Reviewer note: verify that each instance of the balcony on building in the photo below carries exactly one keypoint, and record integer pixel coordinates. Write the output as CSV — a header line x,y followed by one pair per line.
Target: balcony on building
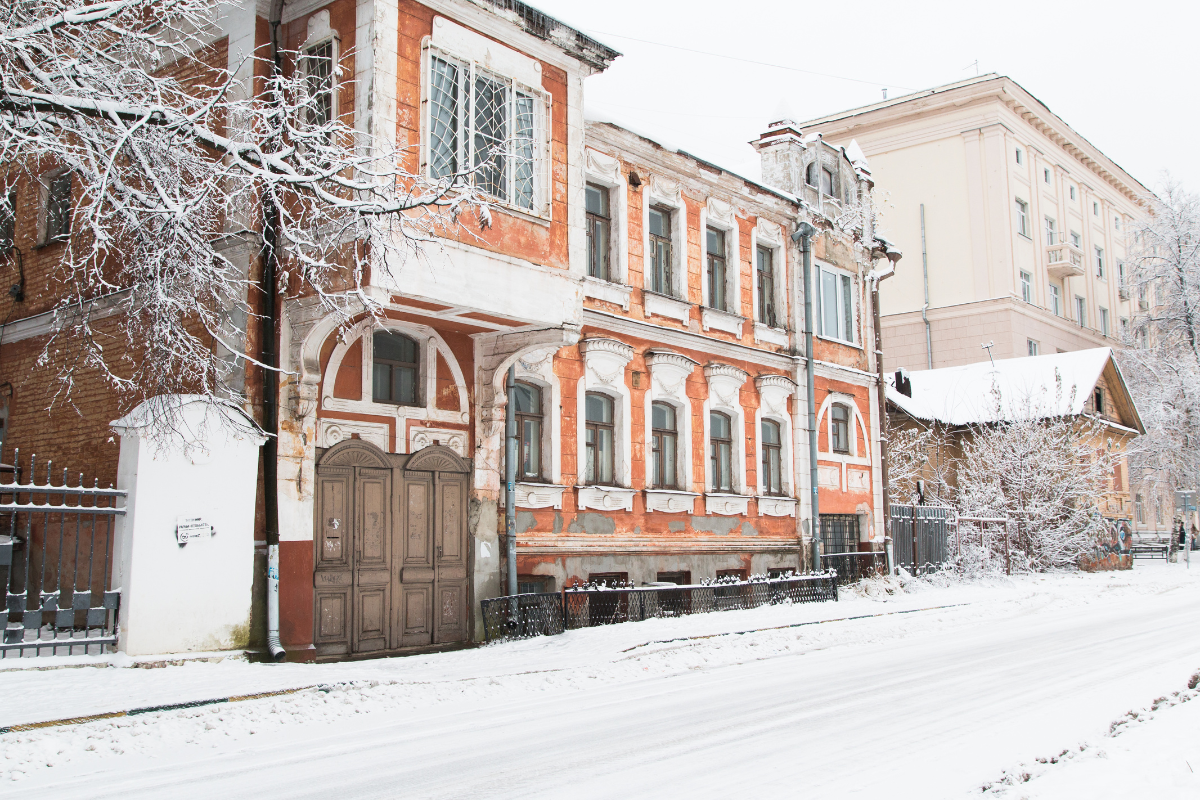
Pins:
x,y
1064,260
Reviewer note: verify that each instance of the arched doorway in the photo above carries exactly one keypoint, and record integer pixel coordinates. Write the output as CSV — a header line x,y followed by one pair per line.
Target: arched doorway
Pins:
x,y
391,550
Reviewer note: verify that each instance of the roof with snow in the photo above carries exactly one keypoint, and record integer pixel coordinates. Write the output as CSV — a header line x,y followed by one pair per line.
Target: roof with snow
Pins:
x,y
1046,386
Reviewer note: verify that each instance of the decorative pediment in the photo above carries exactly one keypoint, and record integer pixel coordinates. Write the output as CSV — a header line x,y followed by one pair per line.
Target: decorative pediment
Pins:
x,y
720,212
605,360
603,164
669,373
768,232
774,391
354,453
437,458
665,190
724,384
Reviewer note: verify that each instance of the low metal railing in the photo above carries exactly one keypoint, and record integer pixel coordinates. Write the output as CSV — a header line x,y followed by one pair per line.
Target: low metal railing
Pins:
x,y
527,615
853,566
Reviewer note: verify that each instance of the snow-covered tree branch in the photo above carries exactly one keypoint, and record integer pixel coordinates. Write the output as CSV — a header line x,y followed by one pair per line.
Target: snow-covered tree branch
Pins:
x,y
167,156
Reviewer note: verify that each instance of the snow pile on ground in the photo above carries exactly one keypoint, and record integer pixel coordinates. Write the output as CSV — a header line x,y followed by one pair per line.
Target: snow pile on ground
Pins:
x,y
956,681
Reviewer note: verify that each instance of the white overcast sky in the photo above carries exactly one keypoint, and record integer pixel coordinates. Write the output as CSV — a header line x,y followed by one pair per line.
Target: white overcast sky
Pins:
x,y
1124,75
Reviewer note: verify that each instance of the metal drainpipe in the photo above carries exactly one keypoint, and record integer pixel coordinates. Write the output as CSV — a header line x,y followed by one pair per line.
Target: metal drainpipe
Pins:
x,y
510,477
803,236
270,388
882,394
925,308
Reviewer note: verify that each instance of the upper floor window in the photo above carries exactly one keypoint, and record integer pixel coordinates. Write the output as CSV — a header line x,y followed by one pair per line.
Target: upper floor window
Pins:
x,y
664,446
720,444
1026,287
660,250
1032,347
835,296
1080,311
56,196
1117,223
1098,400
528,399
1104,320
827,181
1100,262
1095,209
1120,273
1076,239
1072,192
396,368
1139,509
1050,227
8,220
1022,218
766,286
1046,174
487,126
772,458
317,62
839,428
599,456
810,175
599,228
1020,156
715,255
1055,300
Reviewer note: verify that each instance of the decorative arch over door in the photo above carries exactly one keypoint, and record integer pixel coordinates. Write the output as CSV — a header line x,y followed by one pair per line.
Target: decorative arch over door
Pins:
x,y
391,550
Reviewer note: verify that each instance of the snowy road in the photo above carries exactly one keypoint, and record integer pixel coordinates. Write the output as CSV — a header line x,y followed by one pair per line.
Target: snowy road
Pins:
x,y
929,704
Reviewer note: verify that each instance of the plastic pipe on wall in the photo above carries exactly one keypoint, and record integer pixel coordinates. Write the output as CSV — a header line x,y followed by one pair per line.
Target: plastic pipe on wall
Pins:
x,y
510,477
803,237
273,644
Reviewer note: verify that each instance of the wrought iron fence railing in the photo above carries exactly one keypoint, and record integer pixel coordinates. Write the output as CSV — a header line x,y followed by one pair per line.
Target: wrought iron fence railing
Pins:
x,y
853,566
933,529
527,615
56,550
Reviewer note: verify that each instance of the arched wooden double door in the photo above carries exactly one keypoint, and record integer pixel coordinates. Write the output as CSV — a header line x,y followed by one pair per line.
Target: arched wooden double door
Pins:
x,y
390,550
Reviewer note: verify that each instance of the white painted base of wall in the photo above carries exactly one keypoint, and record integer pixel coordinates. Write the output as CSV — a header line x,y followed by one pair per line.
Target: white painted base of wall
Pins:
x,y
179,598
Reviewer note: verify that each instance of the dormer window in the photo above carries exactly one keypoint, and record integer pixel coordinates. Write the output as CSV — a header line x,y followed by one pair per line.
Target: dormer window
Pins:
x,y
1098,400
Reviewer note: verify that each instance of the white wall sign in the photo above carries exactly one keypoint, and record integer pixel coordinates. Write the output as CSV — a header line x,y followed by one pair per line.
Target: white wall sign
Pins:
x,y
190,528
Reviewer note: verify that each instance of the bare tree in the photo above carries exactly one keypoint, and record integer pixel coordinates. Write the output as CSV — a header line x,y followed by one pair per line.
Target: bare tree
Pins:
x,y
165,168
1044,473
1162,357
918,453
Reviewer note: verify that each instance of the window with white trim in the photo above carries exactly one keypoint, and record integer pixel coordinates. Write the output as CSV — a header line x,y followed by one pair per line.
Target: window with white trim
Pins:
x,y
1100,263
1046,174
1081,311
1050,240
1055,300
599,231
661,255
1104,320
318,63
1032,347
772,458
1026,287
835,300
485,128
1022,217
720,451
1076,239
718,265
1020,156
1072,192
765,271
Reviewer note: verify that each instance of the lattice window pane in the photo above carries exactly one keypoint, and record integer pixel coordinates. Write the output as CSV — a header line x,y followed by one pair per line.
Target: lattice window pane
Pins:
x,y
445,116
523,152
490,134
318,68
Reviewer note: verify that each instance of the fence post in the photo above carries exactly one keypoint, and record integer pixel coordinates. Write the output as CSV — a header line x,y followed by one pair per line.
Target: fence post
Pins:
x,y
1007,555
915,559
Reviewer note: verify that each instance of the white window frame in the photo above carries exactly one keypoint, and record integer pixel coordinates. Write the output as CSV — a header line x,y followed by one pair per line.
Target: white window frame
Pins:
x,y
1032,346
1104,323
1051,228
320,33
853,338
669,373
605,361
472,64
1071,192
1026,286
1081,310
774,394
1055,300
767,235
604,170
722,216
1022,217
1020,157
724,395
1046,175
1076,240
1100,273
661,193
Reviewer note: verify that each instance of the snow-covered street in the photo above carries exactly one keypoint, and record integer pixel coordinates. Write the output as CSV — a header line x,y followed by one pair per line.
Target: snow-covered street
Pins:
x,y
978,683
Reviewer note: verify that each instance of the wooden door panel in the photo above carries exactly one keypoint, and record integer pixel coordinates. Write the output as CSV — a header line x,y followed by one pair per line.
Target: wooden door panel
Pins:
x,y
371,619
373,500
415,510
451,533
334,529
333,617
416,623
451,612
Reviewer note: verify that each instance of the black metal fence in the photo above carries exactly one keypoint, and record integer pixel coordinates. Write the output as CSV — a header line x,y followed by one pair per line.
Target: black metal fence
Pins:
x,y
840,553
934,528
56,550
527,615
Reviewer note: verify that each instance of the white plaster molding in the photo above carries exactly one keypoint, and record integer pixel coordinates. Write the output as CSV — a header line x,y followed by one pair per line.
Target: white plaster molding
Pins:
x,y
858,480
724,395
722,216
668,384
421,437
829,476
536,495
714,319
725,381
605,170
604,371
332,431
616,293
468,44
773,394
771,506
603,165
768,335
537,368
720,212
726,505
671,502
604,498
663,306
660,191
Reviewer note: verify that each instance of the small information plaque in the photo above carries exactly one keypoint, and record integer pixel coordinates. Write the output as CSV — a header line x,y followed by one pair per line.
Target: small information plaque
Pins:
x,y
190,528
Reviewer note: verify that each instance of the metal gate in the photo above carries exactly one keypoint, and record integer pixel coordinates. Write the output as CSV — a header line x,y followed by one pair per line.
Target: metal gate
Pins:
x,y
839,549
933,528
56,549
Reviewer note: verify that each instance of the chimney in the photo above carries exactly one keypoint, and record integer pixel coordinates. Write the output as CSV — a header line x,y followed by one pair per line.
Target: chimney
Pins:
x,y
903,382
781,149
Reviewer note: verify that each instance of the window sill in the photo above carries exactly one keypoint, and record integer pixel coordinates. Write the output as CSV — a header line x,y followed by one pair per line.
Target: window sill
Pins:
x,y
671,501
607,291
716,319
777,506
536,495
665,306
726,504
604,498
770,335
842,342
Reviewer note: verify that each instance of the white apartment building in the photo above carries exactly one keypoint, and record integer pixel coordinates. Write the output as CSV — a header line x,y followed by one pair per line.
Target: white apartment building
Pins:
x,y
1013,225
